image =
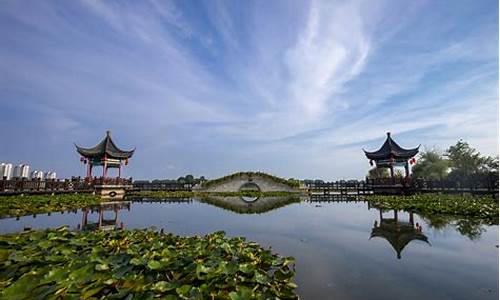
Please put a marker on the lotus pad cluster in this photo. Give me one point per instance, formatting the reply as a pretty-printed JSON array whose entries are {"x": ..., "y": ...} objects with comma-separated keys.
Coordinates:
[
  {"x": 12, "y": 206},
  {"x": 485, "y": 207},
  {"x": 139, "y": 264}
]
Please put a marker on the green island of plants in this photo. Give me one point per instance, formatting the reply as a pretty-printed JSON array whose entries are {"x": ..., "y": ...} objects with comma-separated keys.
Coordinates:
[
  {"x": 139, "y": 264},
  {"x": 290, "y": 182},
  {"x": 484, "y": 207},
  {"x": 13, "y": 206}
]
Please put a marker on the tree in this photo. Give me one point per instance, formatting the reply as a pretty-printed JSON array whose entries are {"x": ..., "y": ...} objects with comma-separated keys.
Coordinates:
[
  {"x": 189, "y": 178},
  {"x": 466, "y": 162},
  {"x": 378, "y": 173},
  {"x": 431, "y": 165}
]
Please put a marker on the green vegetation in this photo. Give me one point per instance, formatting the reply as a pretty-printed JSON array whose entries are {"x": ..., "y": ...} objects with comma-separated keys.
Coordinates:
[
  {"x": 12, "y": 206},
  {"x": 290, "y": 182},
  {"x": 139, "y": 264},
  {"x": 467, "y": 163},
  {"x": 186, "y": 194},
  {"x": 484, "y": 207},
  {"x": 375, "y": 172},
  {"x": 470, "y": 227},
  {"x": 431, "y": 165},
  {"x": 460, "y": 163}
]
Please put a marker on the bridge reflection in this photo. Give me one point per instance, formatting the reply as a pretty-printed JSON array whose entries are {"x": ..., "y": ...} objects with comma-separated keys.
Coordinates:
[{"x": 250, "y": 205}]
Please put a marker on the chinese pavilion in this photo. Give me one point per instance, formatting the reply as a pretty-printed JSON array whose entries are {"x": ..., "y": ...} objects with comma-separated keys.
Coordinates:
[
  {"x": 392, "y": 155},
  {"x": 105, "y": 154}
]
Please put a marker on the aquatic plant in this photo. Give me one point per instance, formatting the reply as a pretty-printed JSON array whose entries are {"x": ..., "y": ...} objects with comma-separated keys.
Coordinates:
[
  {"x": 139, "y": 264},
  {"x": 13, "y": 206},
  {"x": 484, "y": 207}
]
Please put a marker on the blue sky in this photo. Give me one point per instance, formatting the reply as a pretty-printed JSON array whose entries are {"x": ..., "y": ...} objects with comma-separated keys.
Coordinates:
[{"x": 293, "y": 88}]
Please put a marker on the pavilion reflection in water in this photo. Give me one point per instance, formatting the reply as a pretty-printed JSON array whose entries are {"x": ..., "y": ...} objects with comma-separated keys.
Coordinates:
[
  {"x": 398, "y": 233},
  {"x": 103, "y": 222}
]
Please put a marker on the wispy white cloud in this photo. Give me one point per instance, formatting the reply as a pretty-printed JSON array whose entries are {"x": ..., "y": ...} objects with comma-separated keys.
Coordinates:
[{"x": 285, "y": 86}]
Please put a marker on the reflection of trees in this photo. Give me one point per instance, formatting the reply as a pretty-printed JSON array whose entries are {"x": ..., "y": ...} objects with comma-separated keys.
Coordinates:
[
  {"x": 438, "y": 222},
  {"x": 472, "y": 228}
]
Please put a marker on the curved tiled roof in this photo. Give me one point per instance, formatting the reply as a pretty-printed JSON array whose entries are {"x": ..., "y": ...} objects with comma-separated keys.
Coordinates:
[
  {"x": 391, "y": 148},
  {"x": 106, "y": 146}
]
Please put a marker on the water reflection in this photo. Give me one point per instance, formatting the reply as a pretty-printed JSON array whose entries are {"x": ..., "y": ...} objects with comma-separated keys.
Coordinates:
[
  {"x": 103, "y": 222},
  {"x": 250, "y": 205},
  {"x": 397, "y": 232},
  {"x": 329, "y": 237}
]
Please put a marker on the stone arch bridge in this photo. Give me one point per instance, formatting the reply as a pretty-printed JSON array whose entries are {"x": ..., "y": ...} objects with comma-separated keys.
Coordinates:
[{"x": 250, "y": 181}]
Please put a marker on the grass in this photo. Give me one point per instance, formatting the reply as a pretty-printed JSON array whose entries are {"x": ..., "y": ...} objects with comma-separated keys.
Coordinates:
[
  {"x": 139, "y": 264},
  {"x": 14, "y": 206}
]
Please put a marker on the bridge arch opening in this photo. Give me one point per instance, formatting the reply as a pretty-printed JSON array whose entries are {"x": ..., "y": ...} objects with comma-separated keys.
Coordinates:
[{"x": 249, "y": 187}]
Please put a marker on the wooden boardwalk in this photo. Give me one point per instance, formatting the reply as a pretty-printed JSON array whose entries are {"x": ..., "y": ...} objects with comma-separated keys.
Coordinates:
[
  {"x": 402, "y": 186},
  {"x": 56, "y": 186}
]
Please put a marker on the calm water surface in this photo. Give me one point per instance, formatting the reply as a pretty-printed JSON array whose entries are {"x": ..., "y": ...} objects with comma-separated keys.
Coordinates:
[{"x": 343, "y": 250}]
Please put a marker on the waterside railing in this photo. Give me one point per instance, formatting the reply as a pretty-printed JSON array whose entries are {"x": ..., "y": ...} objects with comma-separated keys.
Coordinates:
[{"x": 74, "y": 184}]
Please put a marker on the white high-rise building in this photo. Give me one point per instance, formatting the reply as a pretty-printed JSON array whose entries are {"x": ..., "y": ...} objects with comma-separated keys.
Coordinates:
[
  {"x": 5, "y": 171},
  {"x": 37, "y": 174},
  {"x": 51, "y": 175},
  {"x": 25, "y": 171},
  {"x": 17, "y": 172},
  {"x": 21, "y": 171}
]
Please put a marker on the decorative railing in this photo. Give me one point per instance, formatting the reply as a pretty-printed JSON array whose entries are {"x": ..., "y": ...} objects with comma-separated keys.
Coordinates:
[
  {"x": 337, "y": 185},
  {"x": 162, "y": 186},
  {"x": 486, "y": 184},
  {"x": 75, "y": 184},
  {"x": 489, "y": 183},
  {"x": 111, "y": 181},
  {"x": 396, "y": 181}
]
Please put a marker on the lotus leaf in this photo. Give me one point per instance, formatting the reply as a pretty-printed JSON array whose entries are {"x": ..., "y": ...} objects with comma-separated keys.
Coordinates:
[{"x": 62, "y": 264}]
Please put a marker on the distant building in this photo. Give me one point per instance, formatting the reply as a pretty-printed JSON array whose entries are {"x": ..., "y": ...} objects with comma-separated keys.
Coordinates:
[
  {"x": 21, "y": 171},
  {"x": 5, "y": 171},
  {"x": 37, "y": 174},
  {"x": 17, "y": 172},
  {"x": 51, "y": 175},
  {"x": 25, "y": 171}
]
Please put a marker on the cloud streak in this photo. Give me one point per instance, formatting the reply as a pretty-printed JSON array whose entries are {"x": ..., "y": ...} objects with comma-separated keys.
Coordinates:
[{"x": 292, "y": 88}]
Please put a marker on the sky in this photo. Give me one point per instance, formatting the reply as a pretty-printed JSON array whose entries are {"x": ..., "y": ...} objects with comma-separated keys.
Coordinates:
[{"x": 292, "y": 88}]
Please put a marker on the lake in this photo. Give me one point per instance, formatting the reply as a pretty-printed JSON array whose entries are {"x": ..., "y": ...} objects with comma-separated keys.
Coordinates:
[{"x": 343, "y": 249}]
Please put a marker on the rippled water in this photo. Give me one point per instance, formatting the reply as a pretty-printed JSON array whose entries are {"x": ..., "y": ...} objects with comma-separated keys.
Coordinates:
[{"x": 343, "y": 250}]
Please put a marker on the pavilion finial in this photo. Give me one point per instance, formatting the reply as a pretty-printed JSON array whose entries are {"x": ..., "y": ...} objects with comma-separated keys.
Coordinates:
[
  {"x": 388, "y": 133},
  {"x": 108, "y": 133}
]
